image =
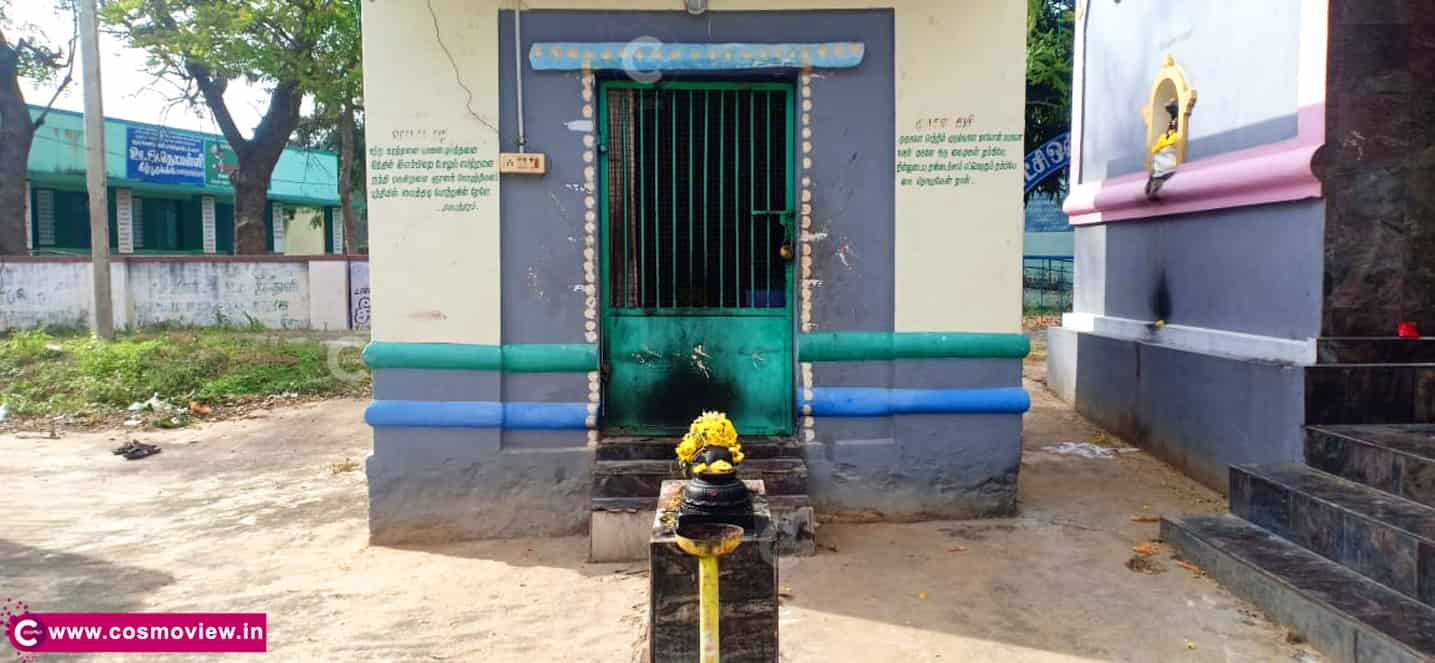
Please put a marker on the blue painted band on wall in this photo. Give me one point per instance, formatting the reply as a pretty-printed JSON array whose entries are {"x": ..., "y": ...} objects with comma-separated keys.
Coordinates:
[
  {"x": 478, "y": 414},
  {"x": 692, "y": 56},
  {"x": 880, "y": 402}
]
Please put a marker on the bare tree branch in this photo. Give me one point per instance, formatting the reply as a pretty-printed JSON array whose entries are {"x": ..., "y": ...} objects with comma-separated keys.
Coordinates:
[
  {"x": 213, "y": 91},
  {"x": 64, "y": 82}
]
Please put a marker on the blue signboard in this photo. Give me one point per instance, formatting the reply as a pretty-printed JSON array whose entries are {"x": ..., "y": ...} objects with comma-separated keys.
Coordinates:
[
  {"x": 1047, "y": 160},
  {"x": 154, "y": 155}
]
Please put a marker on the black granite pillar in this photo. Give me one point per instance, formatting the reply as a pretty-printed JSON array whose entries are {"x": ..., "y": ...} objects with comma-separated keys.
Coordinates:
[
  {"x": 747, "y": 589},
  {"x": 1378, "y": 168}
]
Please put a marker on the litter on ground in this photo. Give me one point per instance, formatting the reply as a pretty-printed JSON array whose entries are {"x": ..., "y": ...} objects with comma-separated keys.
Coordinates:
[
  {"x": 1080, "y": 449},
  {"x": 133, "y": 450}
]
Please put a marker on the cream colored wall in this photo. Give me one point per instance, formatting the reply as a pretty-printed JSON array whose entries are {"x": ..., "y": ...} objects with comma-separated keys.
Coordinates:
[
  {"x": 301, "y": 238},
  {"x": 959, "y": 249},
  {"x": 436, "y": 275}
]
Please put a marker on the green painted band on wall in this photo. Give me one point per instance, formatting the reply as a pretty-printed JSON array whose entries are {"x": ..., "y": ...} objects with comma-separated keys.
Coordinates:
[
  {"x": 582, "y": 357},
  {"x": 517, "y": 358},
  {"x": 881, "y": 346}
]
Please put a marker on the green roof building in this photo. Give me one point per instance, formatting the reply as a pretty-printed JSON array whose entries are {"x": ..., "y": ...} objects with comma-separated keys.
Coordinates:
[{"x": 169, "y": 192}]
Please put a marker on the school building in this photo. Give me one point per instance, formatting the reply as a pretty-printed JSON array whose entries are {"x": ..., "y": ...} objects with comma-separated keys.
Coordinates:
[{"x": 169, "y": 192}]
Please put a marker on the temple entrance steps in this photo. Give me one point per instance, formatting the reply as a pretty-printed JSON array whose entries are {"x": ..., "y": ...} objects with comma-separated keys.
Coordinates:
[
  {"x": 630, "y": 471},
  {"x": 1340, "y": 549}
]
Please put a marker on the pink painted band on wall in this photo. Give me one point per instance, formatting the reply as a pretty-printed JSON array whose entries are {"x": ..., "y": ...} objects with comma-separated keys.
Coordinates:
[
  {"x": 1279, "y": 172},
  {"x": 210, "y": 257}
]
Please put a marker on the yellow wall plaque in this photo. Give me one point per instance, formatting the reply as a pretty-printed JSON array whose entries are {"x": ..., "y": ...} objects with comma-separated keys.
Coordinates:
[{"x": 523, "y": 163}]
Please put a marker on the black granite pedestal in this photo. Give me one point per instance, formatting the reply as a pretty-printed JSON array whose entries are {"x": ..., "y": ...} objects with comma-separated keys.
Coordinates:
[{"x": 747, "y": 589}]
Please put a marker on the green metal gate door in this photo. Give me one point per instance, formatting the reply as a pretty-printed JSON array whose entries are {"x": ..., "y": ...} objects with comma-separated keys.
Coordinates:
[{"x": 697, "y": 240}]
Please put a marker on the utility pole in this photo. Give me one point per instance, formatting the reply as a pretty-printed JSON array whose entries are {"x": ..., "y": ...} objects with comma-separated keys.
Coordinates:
[{"x": 95, "y": 180}]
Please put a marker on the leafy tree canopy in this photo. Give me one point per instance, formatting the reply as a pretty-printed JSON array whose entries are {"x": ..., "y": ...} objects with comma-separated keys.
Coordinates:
[{"x": 1051, "y": 28}]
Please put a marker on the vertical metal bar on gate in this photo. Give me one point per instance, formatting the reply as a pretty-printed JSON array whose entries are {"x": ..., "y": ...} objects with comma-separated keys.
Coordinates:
[
  {"x": 625, "y": 167},
  {"x": 722, "y": 199},
  {"x": 630, "y": 234},
  {"x": 657, "y": 202},
  {"x": 673, "y": 199},
  {"x": 767, "y": 220},
  {"x": 642, "y": 207},
  {"x": 736, "y": 200},
  {"x": 690, "y": 198},
  {"x": 751, "y": 198},
  {"x": 707, "y": 271}
]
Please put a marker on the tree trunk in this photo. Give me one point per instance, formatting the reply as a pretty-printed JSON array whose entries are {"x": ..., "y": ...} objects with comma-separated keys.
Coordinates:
[
  {"x": 257, "y": 155},
  {"x": 251, "y": 193},
  {"x": 17, "y": 131},
  {"x": 346, "y": 178},
  {"x": 14, "y": 154}
]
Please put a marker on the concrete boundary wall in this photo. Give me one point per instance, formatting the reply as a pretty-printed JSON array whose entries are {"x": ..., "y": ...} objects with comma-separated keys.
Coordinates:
[{"x": 279, "y": 292}]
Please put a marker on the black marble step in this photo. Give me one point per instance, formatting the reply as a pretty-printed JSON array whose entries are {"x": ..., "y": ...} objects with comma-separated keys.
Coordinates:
[
  {"x": 1375, "y": 350},
  {"x": 1345, "y": 615},
  {"x": 1385, "y": 538},
  {"x": 644, "y": 478},
  {"x": 662, "y": 448},
  {"x": 1399, "y": 460},
  {"x": 1370, "y": 394}
]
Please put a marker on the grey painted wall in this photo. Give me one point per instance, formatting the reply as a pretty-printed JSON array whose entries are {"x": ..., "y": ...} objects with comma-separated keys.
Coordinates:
[
  {"x": 1199, "y": 412},
  {"x": 434, "y": 485},
  {"x": 1256, "y": 270},
  {"x": 541, "y": 238},
  {"x": 1241, "y": 56},
  {"x": 916, "y": 466}
]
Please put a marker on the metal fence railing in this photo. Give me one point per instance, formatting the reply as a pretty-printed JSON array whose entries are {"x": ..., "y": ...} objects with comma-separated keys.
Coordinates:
[{"x": 1046, "y": 283}]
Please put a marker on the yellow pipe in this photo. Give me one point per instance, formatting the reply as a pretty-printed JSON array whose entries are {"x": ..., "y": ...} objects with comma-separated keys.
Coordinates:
[
  {"x": 708, "y": 542},
  {"x": 708, "y": 605}
]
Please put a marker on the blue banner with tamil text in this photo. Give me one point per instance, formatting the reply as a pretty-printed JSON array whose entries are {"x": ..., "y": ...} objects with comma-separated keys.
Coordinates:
[
  {"x": 155, "y": 155},
  {"x": 1047, "y": 160}
]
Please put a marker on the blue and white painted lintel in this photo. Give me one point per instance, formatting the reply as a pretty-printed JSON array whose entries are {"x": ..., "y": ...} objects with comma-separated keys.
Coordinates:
[
  {"x": 881, "y": 402},
  {"x": 692, "y": 56},
  {"x": 477, "y": 414}
]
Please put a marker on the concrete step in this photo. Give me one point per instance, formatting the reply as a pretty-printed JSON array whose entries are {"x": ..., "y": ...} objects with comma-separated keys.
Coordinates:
[
  {"x": 1348, "y": 617},
  {"x": 1353, "y": 394},
  {"x": 1388, "y": 349},
  {"x": 1385, "y": 538},
  {"x": 662, "y": 448},
  {"x": 1399, "y": 460},
  {"x": 644, "y": 478}
]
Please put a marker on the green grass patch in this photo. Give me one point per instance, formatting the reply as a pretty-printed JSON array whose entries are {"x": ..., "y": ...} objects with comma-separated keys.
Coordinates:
[{"x": 51, "y": 373}]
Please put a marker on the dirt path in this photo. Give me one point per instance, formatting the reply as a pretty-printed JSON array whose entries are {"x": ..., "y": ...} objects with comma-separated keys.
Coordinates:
[{"x": 249, "y": 516}]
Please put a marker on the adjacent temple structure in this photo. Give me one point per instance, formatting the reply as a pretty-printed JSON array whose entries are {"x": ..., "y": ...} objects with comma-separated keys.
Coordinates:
[{"x": 1256, "y": 323}]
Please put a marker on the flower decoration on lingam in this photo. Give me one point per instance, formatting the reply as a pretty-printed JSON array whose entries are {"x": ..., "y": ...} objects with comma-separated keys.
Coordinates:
[
  {"x": 711, "y": 445},
  {"x": 711, "y": 453}
]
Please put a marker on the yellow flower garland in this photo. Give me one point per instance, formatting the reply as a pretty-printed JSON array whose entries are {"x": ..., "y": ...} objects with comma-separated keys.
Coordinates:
[{"x": 712, "y": 429}]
